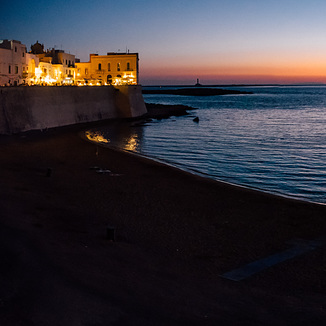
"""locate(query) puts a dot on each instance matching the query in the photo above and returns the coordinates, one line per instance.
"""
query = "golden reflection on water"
(131, 143)
(96, 136)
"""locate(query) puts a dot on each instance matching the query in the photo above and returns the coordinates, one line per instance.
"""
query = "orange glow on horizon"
(260, 67)
(298, 73)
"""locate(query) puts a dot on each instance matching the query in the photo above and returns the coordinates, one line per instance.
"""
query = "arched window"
(109, 66)
(99, 66)
(109, 79)
(118, 66)
(128, 66)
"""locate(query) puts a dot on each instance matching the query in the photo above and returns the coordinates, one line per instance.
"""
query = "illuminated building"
(110, 69)
(12, 56)
(55, 67)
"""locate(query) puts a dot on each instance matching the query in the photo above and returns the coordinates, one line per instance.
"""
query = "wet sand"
(175, 234)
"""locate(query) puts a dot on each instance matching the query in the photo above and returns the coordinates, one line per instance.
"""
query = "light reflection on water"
(121, 135)
(273, 140)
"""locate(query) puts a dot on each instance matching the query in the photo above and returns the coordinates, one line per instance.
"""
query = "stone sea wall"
(40, 107)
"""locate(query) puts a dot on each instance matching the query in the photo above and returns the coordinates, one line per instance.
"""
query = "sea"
(272, 140)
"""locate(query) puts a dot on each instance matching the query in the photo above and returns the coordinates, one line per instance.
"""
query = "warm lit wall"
(115, 68)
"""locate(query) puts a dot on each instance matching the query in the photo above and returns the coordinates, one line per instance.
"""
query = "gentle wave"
(273, 140)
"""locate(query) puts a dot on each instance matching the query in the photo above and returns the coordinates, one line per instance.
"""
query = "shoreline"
(205, 176)
(176, 233)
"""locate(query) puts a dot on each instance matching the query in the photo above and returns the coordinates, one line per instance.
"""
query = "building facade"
(12, 59)
(55, 67)
(110, 69)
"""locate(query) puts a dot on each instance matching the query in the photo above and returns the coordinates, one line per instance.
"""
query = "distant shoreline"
(240, 85)
(196, 91)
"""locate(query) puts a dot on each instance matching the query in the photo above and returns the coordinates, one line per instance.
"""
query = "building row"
(55, 67)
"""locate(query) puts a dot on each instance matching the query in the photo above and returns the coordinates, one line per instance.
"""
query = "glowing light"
(132, 143)
(96, 137)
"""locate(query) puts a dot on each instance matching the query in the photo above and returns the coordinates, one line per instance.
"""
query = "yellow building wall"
(115, 69)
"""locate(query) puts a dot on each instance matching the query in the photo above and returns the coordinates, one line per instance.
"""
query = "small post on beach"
(110, 233)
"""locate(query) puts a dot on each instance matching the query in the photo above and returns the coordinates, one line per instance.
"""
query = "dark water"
(273, 140)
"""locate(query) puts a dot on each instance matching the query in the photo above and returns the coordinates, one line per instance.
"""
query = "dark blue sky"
(181, 40)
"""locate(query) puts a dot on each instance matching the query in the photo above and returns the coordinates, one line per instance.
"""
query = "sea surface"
(273, 140)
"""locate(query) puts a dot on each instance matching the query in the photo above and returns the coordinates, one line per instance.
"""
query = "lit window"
(86, 71)
(118, 66)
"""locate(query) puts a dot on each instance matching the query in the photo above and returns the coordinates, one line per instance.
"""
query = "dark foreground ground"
(175, 235)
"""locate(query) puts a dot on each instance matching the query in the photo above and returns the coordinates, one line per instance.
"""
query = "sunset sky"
(217, 41)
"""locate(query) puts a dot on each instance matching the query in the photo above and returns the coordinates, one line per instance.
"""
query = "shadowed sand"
(176, 233)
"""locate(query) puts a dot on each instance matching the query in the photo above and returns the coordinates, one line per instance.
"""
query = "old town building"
(12, 59)
(55, 67)
(110, 69)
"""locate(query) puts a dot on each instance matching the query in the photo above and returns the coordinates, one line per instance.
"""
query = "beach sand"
(175, 235)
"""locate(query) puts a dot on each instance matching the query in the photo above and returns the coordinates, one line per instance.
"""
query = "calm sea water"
(273, 140)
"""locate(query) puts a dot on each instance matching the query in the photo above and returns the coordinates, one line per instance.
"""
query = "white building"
(55, 67)
(12, 58)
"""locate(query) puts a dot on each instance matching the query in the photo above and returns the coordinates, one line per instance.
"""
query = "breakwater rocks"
(162, 111)
(41, 107)
(200, 91)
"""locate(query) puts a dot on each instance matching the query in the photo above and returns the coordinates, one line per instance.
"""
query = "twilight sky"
(217, 41)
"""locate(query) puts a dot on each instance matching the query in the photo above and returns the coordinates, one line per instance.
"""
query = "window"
(118, 66)
(16, 69)
(99, 66)
(109, 66)
(79, 70)
(9, 69)
(15, 48)
(128, 65)
(66, 62)
(86, 71)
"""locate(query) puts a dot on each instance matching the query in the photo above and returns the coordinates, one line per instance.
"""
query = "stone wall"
(41, 107)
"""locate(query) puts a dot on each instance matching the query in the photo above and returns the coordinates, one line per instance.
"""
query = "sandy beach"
(175, 235)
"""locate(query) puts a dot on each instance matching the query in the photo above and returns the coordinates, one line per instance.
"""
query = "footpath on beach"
(176, 237)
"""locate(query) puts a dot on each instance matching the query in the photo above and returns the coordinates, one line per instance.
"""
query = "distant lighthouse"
(197, 84)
